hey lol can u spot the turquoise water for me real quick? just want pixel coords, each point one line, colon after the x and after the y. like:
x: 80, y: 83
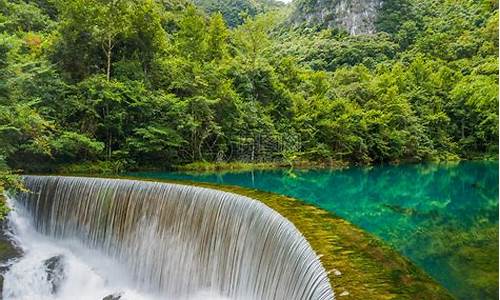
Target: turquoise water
x: 444, y: 217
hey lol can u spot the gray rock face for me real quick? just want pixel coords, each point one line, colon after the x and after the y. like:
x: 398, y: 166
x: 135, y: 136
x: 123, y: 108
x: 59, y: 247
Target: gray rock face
x: 55, y: 271
x: 354, y: 16
x: 115, y: 296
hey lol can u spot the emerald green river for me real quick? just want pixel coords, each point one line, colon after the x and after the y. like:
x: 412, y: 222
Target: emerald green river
x: 443, y: 217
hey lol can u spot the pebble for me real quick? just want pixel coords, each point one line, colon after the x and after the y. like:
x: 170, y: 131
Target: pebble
x: 344, y: 293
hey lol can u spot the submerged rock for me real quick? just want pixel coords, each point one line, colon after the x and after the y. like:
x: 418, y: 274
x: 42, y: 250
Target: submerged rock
x: 115, y: 296
x: 55, y: 272
x: 407, y: 211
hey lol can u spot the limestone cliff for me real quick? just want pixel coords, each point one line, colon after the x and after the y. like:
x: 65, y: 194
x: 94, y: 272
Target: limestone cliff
x: 354, y: 16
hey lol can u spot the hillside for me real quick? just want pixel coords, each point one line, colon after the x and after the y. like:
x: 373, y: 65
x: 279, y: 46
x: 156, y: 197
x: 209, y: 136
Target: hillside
x: 94, y: 85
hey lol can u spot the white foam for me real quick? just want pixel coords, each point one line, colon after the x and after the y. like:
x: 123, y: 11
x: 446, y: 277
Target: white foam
x: 87, y: 274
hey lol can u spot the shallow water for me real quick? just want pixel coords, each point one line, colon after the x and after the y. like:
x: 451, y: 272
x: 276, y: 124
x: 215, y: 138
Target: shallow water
x: 444, y: 217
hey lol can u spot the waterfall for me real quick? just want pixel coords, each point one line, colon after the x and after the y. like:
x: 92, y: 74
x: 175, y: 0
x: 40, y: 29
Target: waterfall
x: 177, y: 240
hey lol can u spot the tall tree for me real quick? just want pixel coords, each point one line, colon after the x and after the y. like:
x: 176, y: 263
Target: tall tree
x: 217, y: 39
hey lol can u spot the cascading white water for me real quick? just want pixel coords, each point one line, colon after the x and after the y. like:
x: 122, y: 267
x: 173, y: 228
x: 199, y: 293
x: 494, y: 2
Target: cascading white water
x: 168, y: 241
x: 87, y: 274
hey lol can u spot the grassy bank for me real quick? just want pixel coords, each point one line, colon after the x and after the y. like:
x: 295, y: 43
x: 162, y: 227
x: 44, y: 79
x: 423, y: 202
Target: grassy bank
x: 205, y: 166
x: 115, y: 167
x: 118, y: 167
x: 360, y: 265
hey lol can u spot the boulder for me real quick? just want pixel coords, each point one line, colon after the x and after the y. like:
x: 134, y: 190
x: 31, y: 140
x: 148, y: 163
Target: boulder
x: 55, y: 272
x: 115, y: 296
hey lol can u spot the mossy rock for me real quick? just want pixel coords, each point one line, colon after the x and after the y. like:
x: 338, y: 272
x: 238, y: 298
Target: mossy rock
x: 8, y: 250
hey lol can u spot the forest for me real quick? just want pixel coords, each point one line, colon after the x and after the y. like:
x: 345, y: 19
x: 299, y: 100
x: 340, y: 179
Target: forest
x: 108, y: 85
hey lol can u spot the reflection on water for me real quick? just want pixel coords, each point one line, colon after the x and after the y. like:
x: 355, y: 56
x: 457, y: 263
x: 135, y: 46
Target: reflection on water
x: 444, y: 217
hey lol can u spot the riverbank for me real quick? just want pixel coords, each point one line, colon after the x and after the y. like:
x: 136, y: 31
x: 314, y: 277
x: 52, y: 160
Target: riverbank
x: 360, y: 266
x: 116, y: 167
x: 204, y: 166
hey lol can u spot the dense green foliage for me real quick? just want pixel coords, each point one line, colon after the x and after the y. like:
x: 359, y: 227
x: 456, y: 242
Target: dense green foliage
x: 156, y: 83
x: 235, y: 11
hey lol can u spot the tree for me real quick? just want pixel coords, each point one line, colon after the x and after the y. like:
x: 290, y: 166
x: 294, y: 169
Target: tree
x: 151, y: 82
x: 112, y: 19
x: 252, y: 39
x: 191, y: 37
x: 97, y: 21
x: 72, y: 146
x: 217, y: 39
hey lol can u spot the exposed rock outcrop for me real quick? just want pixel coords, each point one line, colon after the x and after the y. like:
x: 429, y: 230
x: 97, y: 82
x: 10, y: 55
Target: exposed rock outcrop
x: 354, y: 16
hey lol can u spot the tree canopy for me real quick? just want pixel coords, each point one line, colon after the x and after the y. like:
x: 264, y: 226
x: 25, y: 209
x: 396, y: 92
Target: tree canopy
x: 149, y: 83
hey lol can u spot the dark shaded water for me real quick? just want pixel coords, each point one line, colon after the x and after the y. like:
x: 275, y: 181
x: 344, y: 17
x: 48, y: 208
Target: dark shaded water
x: 444, y: 217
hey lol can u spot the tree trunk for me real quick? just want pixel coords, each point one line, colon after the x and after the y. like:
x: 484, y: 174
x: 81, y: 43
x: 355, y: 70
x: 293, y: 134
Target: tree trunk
x: 253, y: 151
x: 108, y: 56
x: 463, y: 129
x: 108, y: 134
x: 110, y: 141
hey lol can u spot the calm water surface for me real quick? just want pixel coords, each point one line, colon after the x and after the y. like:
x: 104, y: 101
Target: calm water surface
x: 444, y: 217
